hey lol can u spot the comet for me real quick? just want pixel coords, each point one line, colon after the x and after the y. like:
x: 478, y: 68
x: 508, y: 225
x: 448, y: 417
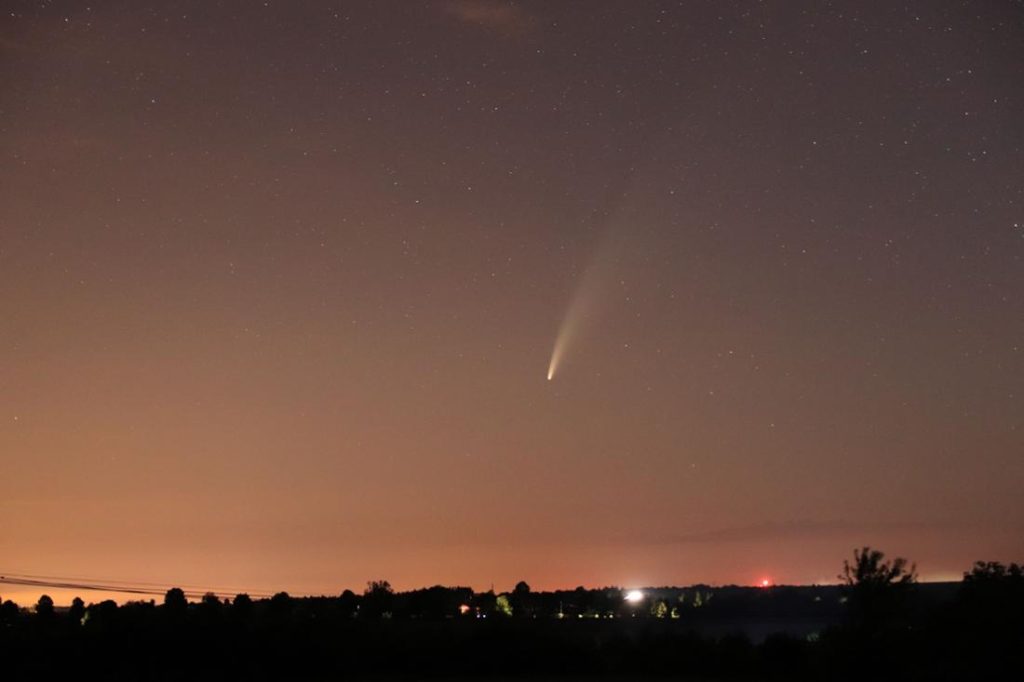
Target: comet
x: 566, y: 331
x: 581, y: 310
x: 595, y: 286
x: 556, y: 352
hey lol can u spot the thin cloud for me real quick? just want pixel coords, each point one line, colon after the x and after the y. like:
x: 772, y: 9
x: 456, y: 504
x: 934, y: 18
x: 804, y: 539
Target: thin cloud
x: 775, y: 531
x: 8, y: 45
x: 492, y: 14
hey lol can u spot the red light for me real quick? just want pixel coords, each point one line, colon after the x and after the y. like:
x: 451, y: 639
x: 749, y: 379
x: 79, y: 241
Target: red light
x: 765, y: 582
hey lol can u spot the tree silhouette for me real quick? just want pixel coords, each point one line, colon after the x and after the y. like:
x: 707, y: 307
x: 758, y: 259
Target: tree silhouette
x: 280, y: 606
x: 989, y: 573
x: 44, y: 607
x: 175, y: 599
x: 8, y: 612
x: 348, y: 603
x: 102, y: 616
x: 242, y: 603
x: 485, y: 602
x: 378, y: 599
x: 379, y: 587
x: 869, y: 570
x: 875, y: 587
x: 77, y: 611
x: 521, y: 601
x: 992, y: 597
x: 210, y: 608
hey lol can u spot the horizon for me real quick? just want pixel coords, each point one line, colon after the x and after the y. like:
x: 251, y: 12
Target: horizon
x: 62, y: 596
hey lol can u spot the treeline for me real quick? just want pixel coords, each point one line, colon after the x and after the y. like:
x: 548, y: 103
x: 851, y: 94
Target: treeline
x: 879, y: 622
x: 379, y: 601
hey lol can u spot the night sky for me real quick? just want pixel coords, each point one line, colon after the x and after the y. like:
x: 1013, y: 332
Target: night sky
x: 280, y: 286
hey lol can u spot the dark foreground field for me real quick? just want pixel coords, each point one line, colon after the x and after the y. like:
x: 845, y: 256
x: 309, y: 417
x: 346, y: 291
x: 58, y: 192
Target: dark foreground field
x: 953, y: 631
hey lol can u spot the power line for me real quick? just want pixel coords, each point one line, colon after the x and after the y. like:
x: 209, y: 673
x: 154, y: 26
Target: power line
x: 118, y: 586
x: 141, y: 585
x: 111, y: 581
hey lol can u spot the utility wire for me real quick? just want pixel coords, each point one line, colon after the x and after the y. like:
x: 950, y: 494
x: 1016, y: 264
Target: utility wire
x: 130, y: 583
x: 123, y: 587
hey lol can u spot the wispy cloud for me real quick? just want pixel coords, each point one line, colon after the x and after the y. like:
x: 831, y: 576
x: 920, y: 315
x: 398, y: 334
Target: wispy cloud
x: 494, y: 14
x: 800, y: 528
x: 8, y: 45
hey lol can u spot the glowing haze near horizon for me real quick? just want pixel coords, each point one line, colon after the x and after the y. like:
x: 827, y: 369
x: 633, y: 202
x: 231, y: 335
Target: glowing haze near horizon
x: 280, y: 283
